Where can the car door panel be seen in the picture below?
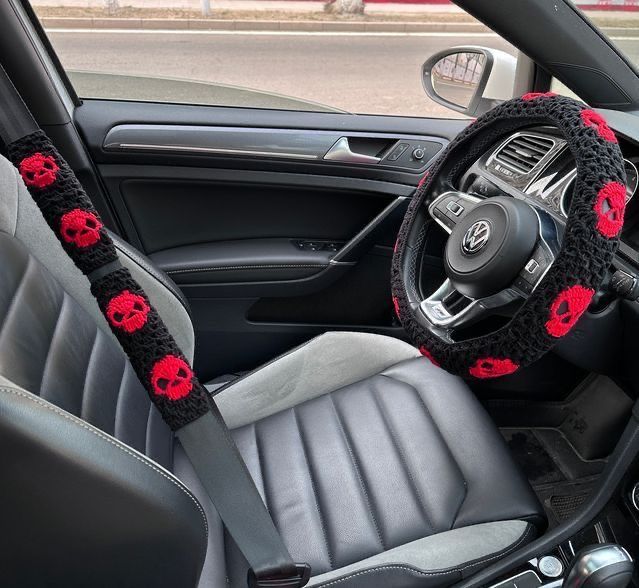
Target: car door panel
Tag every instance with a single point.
(270, 242)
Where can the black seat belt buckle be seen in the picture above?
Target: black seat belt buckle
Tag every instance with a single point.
(300, 578)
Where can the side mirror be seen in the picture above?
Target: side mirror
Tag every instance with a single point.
(471, 80)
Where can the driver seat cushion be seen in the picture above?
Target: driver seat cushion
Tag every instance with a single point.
(399, 478)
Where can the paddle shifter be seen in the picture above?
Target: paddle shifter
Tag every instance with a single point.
(600, 566)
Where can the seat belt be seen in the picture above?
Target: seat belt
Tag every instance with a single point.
(183, 402)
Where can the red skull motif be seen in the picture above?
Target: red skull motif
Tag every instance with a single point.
(492, 367)
(396, 306)
(424, 351)
(567, 308)
(38, 170)
(80, 227)
(127, 311)
(593, 119)
(610, 207)
(533, 95)
(171, 376)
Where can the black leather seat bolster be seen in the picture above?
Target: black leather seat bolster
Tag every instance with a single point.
(79, 508)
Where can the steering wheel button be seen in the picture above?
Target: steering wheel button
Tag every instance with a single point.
(523, 285)
(532, 266)
(455, 208)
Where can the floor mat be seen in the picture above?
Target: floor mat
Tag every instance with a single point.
(561, 478)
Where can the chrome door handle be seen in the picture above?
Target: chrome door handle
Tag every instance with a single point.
(341, 151)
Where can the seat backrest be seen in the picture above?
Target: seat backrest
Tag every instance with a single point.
(65, 380)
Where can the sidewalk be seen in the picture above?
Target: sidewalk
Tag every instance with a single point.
(255, 5)
(281, 15)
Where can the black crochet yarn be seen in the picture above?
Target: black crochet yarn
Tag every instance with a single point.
(147, 342)
(63, 195)
(148, 345)
(585, 255)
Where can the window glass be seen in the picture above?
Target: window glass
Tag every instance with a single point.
(616, 19)
(284, 55)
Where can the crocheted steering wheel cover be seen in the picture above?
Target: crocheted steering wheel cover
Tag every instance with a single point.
(589, 243)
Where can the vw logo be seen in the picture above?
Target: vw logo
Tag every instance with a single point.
(476, 237)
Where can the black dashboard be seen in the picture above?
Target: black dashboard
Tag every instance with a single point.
(536, 165)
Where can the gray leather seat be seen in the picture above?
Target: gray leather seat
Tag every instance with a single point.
(378, 468)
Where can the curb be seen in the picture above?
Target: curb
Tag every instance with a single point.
(201, 24)
(187, 24)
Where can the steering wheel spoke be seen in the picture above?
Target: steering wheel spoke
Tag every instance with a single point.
(450, 207)
(448, 309)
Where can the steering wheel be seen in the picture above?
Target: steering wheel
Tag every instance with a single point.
(504, 256)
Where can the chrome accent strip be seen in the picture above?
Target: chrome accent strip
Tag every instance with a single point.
(214, 150)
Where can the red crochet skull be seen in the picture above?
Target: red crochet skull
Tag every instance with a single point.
(396, 306)
(492, 367)
(567, 308)
(127, 311)
(533, 95)
(171, 376)
(80, 227)
(424, 351)
(593, 119)
(38, 170)
(610, 207)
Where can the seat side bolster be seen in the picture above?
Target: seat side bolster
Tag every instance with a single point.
(95, 511)
(324, 364)
(453, 555)
(165, 295)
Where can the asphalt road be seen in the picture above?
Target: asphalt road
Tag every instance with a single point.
(361, 73)
(353, 72)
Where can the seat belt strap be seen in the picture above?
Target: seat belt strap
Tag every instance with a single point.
(184, 403)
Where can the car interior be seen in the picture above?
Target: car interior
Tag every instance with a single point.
(285, 347)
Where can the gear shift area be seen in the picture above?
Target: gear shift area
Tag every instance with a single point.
(604, 565)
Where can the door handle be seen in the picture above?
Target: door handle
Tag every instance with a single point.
(341, 151)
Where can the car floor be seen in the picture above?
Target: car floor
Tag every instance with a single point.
(560, 476)
(563, 446)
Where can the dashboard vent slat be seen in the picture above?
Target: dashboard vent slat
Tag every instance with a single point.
(523, 152)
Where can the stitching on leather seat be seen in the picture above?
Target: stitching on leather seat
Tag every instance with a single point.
(402, 459)
(129, 451)
(358, 473)
(243, 267)
(311, 477)
(413, 570)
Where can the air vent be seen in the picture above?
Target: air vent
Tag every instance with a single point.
(523, 152)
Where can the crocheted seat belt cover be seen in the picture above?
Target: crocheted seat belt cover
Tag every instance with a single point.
(154, 354)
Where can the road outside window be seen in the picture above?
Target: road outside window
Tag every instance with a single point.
(338, 56)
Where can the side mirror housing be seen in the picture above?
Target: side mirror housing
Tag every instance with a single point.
(469, 79)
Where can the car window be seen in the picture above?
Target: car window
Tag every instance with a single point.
(295, 57)
(618, 20)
